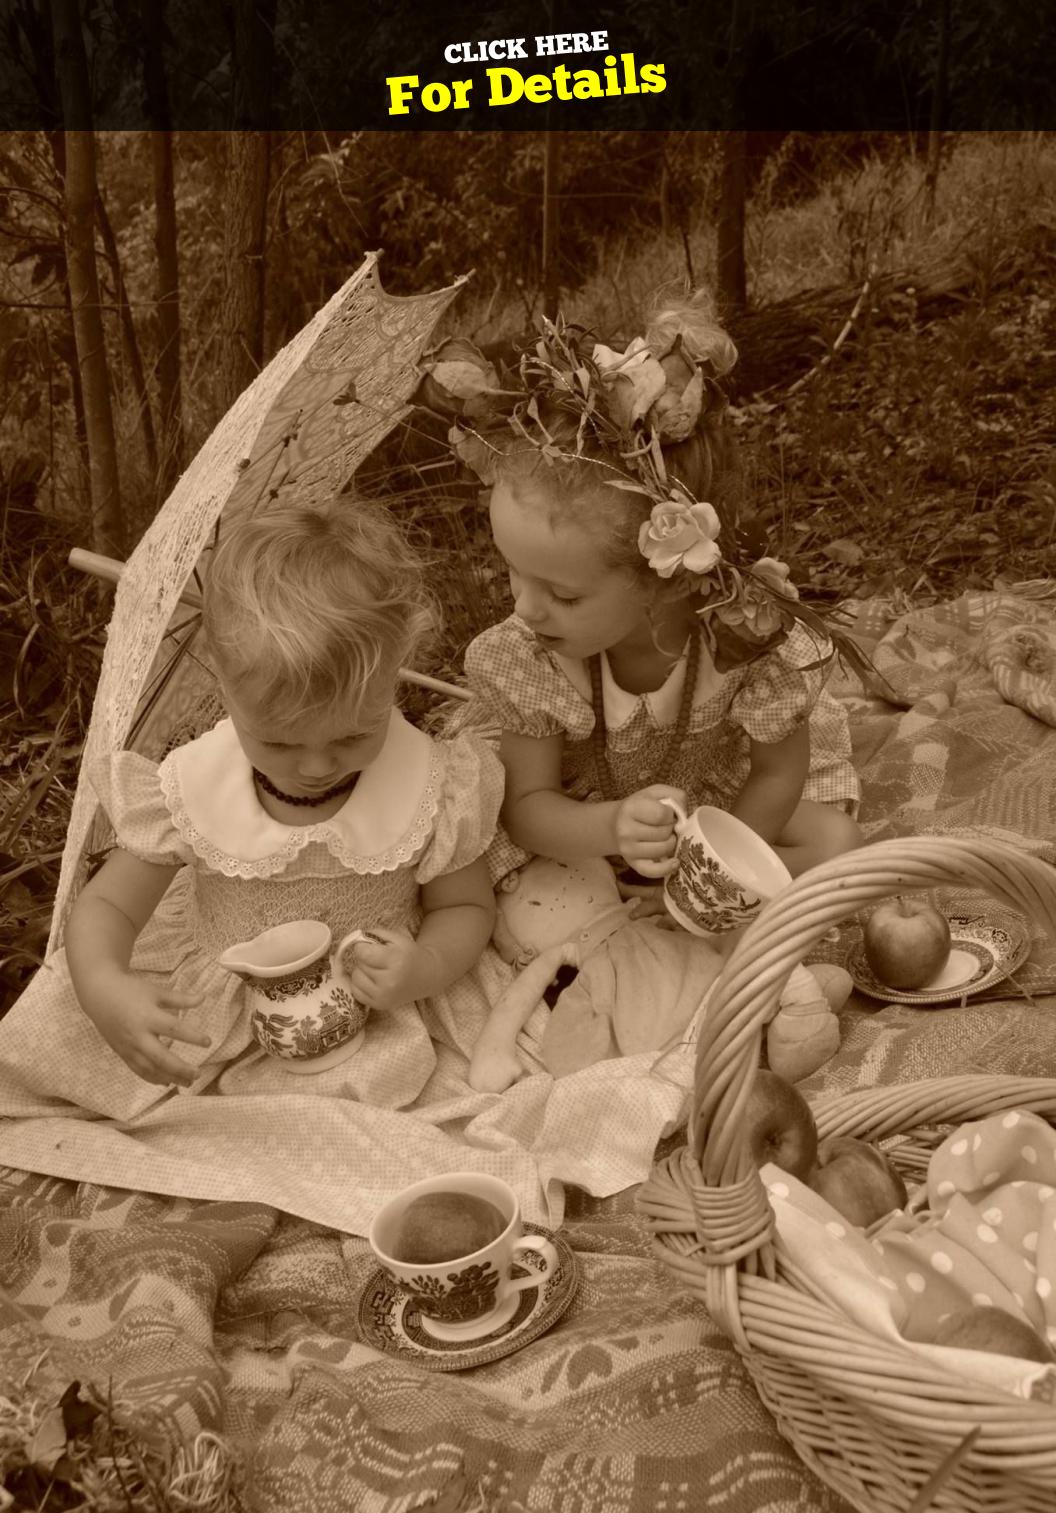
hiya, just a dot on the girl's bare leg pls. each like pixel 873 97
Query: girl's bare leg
pixel 816 833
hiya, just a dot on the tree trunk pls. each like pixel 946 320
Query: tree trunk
pixel 108 530
pixel 167 276
pixel 252 31
pixel 731 274
pixel 66 346
pixel 170 460
pixel 130 341
pixel 939 91
pixel 252 24
pixel 245 230
pixel 551 222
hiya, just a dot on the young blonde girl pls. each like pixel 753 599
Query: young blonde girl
pixel 656 649
pixel 314 799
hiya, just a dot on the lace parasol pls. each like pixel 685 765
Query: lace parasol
pixel 299 431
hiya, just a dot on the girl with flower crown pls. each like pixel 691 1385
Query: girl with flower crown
pixel 657 649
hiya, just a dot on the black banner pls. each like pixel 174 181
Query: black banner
pixel 842 65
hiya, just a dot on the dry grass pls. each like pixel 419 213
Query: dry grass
pixel 996 194
pixel 51 629
pixel 75 1456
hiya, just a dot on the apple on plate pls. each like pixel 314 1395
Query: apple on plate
pixel 779 1125
pixel 982 1326
pixel 857 1179
pixel 907 942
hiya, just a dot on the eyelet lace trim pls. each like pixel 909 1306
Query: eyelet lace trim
pixel 405 850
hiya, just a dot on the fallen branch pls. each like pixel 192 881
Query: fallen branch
pixel 848 325
pixel 778 340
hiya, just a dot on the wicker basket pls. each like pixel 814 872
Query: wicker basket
pixel 883 1427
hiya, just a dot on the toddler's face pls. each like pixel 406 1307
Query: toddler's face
pixel 307 755
pixel 576 604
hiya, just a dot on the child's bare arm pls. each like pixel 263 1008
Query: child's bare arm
pixel 774 785
pixel 546 822
pixel 459 911
pixel 459 917
pixel 130 1012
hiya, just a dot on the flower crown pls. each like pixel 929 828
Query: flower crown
pixel 629 406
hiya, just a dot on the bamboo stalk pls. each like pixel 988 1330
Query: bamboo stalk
pixel 111 568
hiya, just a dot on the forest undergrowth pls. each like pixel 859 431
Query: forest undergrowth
pixel 907 454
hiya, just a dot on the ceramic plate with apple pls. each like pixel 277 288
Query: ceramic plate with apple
pixel 985 944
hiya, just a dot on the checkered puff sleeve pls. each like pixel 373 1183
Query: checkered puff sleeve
pixel 471 785
pixel 128 788
pixel 519 688
pixel 781 689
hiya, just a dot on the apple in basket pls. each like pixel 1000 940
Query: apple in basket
pixel 857 1179
pixel 779 1125
pixel 981 1326
pixel 907 942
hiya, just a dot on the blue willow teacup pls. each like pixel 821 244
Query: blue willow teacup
pixel 724 873
pixel 464 1298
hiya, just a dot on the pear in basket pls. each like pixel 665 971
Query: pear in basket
pixel 981 1326
pixel 857 1179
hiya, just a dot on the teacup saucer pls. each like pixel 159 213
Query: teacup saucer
pixel 986 946
pixel 388 1320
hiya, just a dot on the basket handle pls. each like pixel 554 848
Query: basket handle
pixel 747 991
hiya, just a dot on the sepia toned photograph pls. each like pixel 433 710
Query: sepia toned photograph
pixel 527 802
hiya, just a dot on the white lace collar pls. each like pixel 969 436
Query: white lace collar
pixel 662 702
pixel 208 786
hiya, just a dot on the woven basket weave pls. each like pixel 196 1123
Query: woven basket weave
pixel 889 1431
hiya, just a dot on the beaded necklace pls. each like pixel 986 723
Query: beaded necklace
pixel 314 800
pixel 602 769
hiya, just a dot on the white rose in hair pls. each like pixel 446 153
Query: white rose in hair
pixel 776 575
pixel 634 380
pixel 457 370
pixel 757 610
pixel 674 416
pixel 681 535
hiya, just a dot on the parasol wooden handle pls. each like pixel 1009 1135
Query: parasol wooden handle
pixel 110 570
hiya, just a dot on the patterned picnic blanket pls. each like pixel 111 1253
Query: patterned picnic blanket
pixel 232 1329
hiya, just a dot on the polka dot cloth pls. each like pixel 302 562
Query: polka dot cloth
pixel 989 1228
pixel 983 1231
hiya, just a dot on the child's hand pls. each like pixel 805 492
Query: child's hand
pixel 645 829
pixel 389 970
pixel 138 1019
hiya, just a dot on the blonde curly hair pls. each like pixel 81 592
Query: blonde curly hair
pixel 306 608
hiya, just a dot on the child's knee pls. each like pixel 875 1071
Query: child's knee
pixel 837 833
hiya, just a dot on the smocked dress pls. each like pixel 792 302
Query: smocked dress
pixel 423 808
pixel 521 687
